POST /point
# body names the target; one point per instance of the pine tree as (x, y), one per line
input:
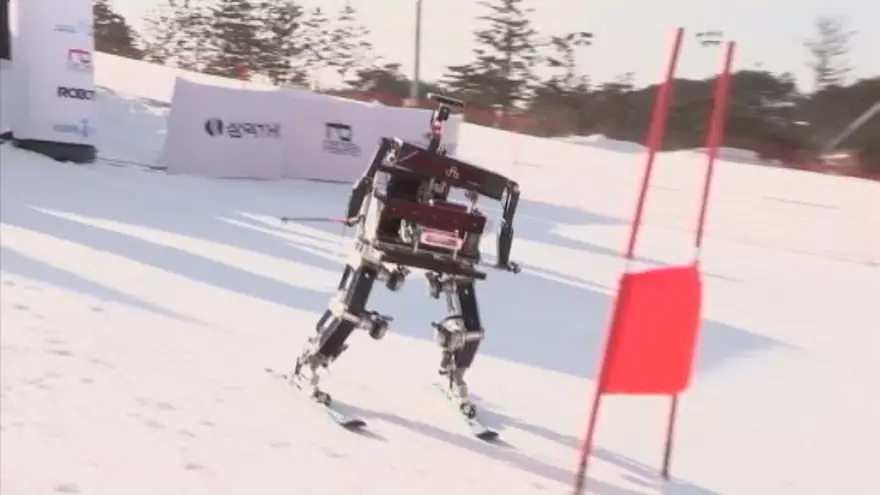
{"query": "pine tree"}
(470, 83)
(502, 73)
(177, 33)
(350, 44)
(112, 32)
(160, 33)
(282, 48)
(828, 50)
(235, 34)
(561, 102)
(564, 60)
(315, 39)
(388, 81)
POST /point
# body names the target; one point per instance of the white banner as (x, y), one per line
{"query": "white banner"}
(215, 131)
(52, 65)
(335, 138)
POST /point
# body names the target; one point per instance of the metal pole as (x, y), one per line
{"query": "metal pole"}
(851, 128)
(414, 87)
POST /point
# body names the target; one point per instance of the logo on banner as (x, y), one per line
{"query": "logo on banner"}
(217, 127)
(80, 129)
(338, 139)
(79, 59)
(75, 93)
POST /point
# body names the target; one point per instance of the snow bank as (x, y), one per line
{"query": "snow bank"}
(129, 129)
(736, 155)
(603, 142)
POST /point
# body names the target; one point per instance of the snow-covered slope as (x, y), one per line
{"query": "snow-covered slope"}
(139, 310)
(600, 141)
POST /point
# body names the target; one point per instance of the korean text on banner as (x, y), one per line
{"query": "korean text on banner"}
(215, 131)
(53, 71)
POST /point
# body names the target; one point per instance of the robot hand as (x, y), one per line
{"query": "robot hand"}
(351, 221)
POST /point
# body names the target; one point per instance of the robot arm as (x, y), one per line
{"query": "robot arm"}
(363, 186)
(505, 232)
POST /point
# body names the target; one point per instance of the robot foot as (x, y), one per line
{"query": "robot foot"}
(306, 374)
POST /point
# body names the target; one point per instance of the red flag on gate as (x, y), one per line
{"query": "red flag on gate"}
(654, 332)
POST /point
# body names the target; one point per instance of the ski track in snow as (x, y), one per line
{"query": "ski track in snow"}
(139, 310)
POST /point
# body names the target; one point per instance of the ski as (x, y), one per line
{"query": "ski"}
(476, 427)
(342, 419)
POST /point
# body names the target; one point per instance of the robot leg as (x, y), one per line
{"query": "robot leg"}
(347, 312)
(459, 335)
(343, 282)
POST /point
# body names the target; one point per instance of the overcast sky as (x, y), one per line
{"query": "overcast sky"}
(630, 35)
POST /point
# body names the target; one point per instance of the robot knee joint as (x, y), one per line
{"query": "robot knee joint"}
(451, 334)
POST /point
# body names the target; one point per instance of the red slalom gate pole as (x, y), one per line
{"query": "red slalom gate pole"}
(655, 139)
(715, 138)
(670, 436)
(656, 132)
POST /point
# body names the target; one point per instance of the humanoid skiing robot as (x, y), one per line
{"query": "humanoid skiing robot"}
(405, 220)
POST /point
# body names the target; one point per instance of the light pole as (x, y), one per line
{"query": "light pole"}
(851, 128)
(417, 57)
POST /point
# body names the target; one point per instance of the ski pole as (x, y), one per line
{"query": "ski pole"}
(309, 219)
(344, 221)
